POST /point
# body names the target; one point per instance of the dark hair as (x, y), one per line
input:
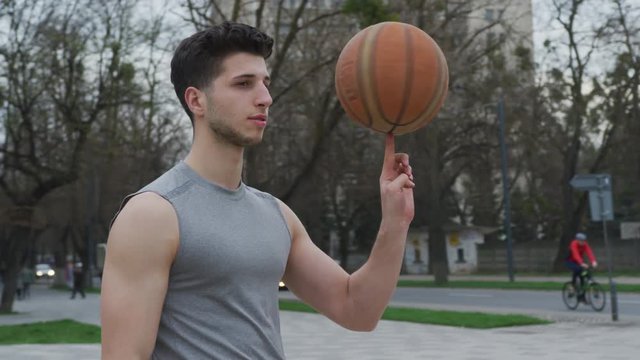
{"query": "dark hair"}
(198, 58)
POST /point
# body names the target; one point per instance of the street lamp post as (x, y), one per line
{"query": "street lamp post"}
(506, 199)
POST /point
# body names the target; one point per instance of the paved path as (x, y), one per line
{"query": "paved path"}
(601, 276)
(547, 304)
(311, 337)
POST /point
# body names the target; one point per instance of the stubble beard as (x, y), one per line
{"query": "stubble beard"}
(228, 134)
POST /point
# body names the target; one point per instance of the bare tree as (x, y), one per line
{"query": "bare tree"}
(74, 100)
(623, 93)
(453, 157)
(577, 112)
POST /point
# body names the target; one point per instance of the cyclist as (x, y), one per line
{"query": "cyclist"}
(575, 260)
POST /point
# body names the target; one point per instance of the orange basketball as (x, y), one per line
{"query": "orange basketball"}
(392, 77)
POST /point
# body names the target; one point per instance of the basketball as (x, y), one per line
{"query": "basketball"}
(392, 77)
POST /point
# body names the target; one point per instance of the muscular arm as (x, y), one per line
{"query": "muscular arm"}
(140, 250)
(357, 301)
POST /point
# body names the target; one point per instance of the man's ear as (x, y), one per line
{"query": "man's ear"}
(196, 101)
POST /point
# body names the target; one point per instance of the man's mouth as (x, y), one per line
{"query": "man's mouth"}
(260, 119)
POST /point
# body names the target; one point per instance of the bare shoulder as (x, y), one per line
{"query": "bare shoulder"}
(147, 222)
(296, 228)
(147, 207)
(288, 214)
(286, 211)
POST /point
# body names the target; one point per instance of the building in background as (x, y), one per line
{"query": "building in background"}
(462, 249)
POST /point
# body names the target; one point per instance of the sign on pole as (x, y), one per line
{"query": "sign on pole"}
(601, 205)
(591, 182)
(599, 188)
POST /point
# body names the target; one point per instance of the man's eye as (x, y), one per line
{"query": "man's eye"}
(243, 83)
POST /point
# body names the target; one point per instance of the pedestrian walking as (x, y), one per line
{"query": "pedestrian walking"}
(28, 277)
(78, 281)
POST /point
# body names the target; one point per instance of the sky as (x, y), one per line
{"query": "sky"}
(545, 28)
(543, 11)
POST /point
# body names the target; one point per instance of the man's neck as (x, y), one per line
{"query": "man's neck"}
(217, 162)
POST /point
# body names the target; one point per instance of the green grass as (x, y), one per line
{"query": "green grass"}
(601, 272)
(51, 332)
(292, 305)
(473, 320)
(516, 285)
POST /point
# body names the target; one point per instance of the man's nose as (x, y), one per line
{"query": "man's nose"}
(263, 98)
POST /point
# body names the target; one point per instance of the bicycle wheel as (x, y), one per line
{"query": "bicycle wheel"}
(570, 295)
(596, 296)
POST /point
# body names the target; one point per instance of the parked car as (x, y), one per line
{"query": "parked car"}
(44, 271)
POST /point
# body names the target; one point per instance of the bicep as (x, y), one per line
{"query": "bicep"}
(140, 250)
(312, 275)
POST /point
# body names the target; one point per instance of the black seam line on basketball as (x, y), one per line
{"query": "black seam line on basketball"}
(375, 97)
(423, 113)
(346, 105)
(407, 75)
(374, 85)
(443, 82)
(359, 64)
(442, 76)
(362, 69)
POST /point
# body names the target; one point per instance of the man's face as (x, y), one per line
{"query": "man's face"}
(238, 100)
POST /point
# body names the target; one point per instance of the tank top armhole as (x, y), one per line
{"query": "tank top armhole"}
(284, 219)
(131, 196)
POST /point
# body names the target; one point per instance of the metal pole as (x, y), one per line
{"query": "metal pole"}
(505, 188)
(612, 284)
(89, 241)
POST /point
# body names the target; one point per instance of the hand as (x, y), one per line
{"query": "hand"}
(594, 264)
(584, 265)
(396, 186)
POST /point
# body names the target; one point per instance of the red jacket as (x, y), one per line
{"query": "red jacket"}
(577, 251)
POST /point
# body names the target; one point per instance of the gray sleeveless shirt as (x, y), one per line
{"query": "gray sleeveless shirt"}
(222, 299)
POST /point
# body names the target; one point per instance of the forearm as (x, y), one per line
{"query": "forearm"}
(371, 287)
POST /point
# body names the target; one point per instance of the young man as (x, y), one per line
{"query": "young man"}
(575, 260)
(194, 258)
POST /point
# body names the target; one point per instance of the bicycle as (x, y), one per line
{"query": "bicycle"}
(593, 293)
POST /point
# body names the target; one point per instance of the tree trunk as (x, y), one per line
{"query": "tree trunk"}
(344, 247)
(9, 279)
(18, 238)
(436, 212)
(439, 262)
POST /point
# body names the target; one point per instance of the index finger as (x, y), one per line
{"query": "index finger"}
(389, 148)
(389, 153)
